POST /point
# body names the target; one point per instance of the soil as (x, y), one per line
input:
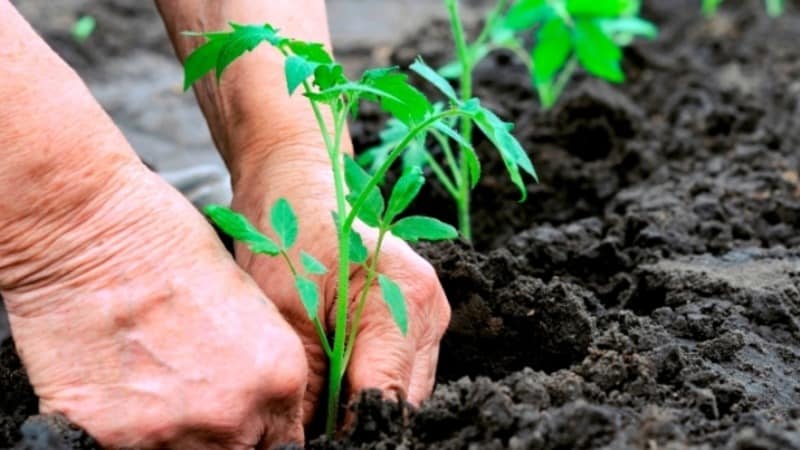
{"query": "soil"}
(646, 296)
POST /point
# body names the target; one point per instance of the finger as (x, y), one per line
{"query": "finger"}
(280, 287)
(382, 357)
(423, 372)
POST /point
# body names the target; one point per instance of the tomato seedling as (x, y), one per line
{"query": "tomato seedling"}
(567, 34)
(310, 67)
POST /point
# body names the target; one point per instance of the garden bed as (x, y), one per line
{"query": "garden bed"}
(647, 295)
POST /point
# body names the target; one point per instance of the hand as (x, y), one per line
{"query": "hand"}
(382, 358)
(151, 336)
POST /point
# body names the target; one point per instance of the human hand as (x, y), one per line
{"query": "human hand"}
(141, 329)
(382, 358)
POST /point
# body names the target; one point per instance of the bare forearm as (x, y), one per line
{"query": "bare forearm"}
(250, 113)
(58, 150)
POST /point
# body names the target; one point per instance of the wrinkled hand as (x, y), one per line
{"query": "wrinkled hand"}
(402, 366)
(153, 337)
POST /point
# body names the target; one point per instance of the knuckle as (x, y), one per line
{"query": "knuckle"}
(284, 378)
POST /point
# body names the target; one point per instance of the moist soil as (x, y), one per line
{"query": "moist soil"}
(647, 295)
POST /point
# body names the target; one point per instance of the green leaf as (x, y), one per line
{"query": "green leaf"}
(328, 75)
(774, 7)
(309, 296)
(396, 301)
(420, 228)
(526, 14)
(358, 252)
(435, 79)
(201, 61)
(512, 153)
(350, 89)
(403, 101)
(239, 228)
(599, 8)
(310, 51)
(553, 47)
(223, 47)
(297, 70)
(83, 28)
(451, 70)
(312, 265)
(244, 38)
(404, 192)
(597, 52)
(357, 180)
(710, 7)
(284, 221)
(629, 25)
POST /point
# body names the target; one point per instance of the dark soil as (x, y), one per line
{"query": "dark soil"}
(648, 293)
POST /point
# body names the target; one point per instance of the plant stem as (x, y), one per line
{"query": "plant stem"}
(490, 22)
(448, 155)
(371, 274)
(442, 176)
(392, 157)
(337, 366)
(467, 65)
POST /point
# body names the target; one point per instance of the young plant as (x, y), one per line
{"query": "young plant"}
(774, 7)
(568, 34)
(310, 68)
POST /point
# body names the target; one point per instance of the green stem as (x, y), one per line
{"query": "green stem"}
(391, 158)
(337, 366)
(491, 20)
(371, 275)
(442, 176)
(467, 65)
(448, 155)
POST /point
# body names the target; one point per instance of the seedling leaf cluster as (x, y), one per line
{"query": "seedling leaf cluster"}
(309, 67)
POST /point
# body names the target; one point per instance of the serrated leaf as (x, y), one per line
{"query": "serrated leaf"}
(597, 52)
(284, 222)
(599, 8)
(357, 180)
(435, 79)
(396, 301)
(309, 296)
(223, 47)
(403, 101)
(312, 265)
(512, 153)
(553, 47)
(310, 51)
(201, 61)
(526, 14)
(329, 75)
(239, 228)
(297, 70)
(244, 38)
(358, 252)
(421, 228)
(404, 192)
